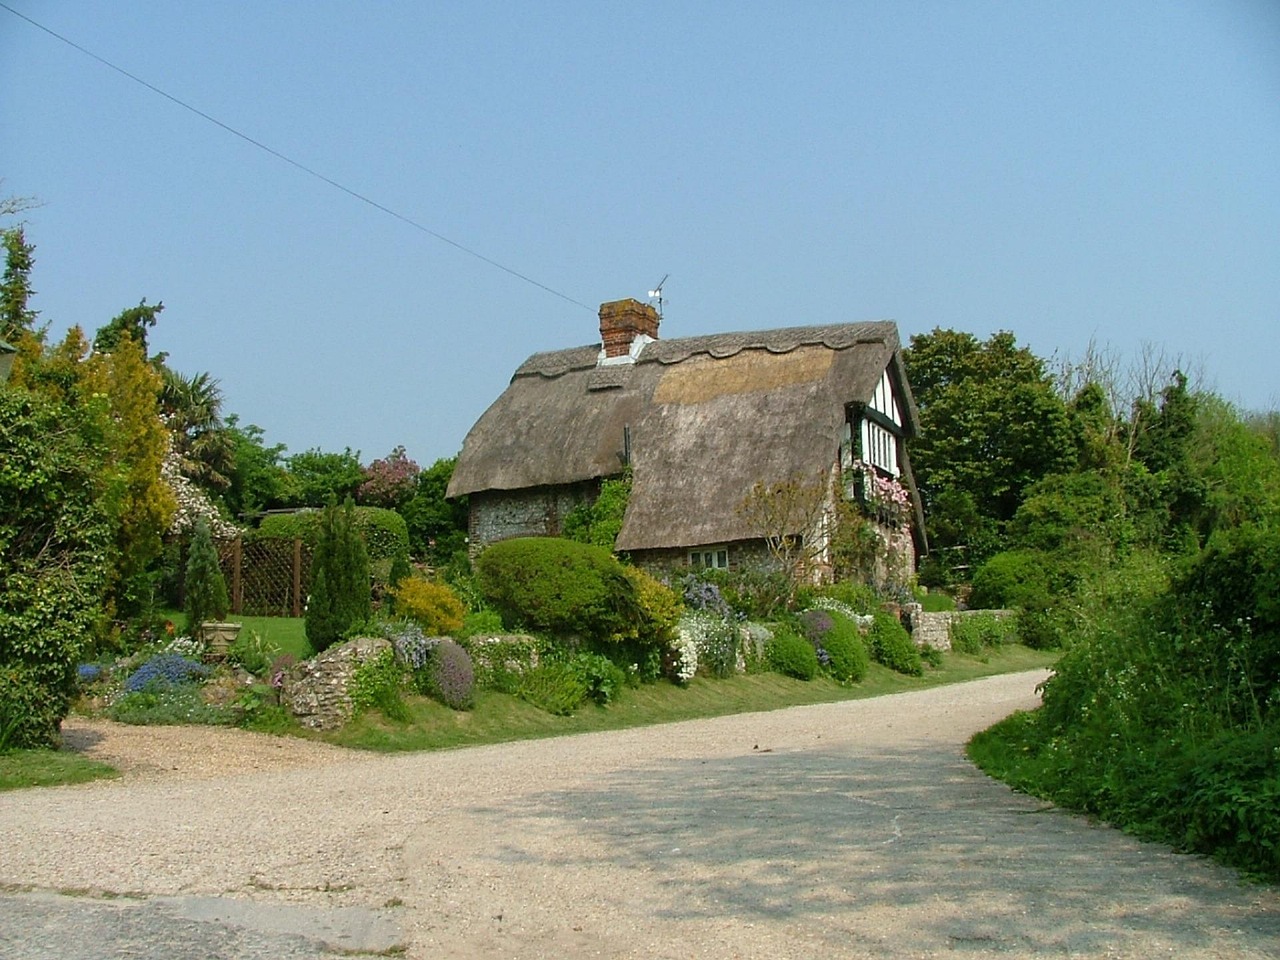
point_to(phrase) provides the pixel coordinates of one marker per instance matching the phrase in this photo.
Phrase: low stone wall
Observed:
(315, 690)
(934, 629)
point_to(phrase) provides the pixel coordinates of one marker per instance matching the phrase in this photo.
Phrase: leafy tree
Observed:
(54, 538)
(390, 482)
(139, 501)
(258, 479)
(131, 324)
(340, 579)
(437, 526)
(16, 318)
(991, 425)
(314, 477)
(206, 593)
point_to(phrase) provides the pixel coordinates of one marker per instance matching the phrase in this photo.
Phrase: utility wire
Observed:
(294, 163)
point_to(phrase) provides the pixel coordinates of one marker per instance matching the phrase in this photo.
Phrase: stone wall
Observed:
(316, 690)
(502, 514)
(934, 629)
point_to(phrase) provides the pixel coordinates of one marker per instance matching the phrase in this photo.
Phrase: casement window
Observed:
(881, 427)
(711, 558)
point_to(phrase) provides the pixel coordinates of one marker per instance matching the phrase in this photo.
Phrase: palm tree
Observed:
(192, 407)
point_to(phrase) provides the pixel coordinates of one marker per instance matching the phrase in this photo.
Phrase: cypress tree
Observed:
(340, 597)
(206, 587)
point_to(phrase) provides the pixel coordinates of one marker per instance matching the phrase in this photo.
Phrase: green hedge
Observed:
(385, 533)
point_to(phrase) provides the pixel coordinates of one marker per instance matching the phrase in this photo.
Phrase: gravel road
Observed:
(840, 830)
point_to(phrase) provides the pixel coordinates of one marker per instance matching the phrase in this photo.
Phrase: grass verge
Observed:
(45, 768)
(285, 634)
(500, 717)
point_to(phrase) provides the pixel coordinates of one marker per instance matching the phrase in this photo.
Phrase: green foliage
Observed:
(991, 425)
(791, 655)
(501, 661)
(206, 597)
(975, 634)
(753, 592)
(314, 478)
(564, 588)
(561, 686)
(252, 653)
(131, 324)
(383, 531)
(54, 547)
(848, 651)
(257, 477)
(162, 705)
(433, 606)
(600, 521)
(1015, 578)
(482, 623)
(890, 644)
(934, 602)
(650, 634)
(858, 597)
(378, 684)
(15, 287)
(340, 579)
(437, 528)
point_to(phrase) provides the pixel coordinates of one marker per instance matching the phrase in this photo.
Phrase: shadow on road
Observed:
(882, 844)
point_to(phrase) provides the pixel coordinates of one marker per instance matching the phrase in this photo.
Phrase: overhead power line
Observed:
(292, 162)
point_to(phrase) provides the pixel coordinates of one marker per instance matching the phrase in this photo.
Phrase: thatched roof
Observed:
(707, 417)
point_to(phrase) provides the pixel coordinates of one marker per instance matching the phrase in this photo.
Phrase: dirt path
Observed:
(839, 830)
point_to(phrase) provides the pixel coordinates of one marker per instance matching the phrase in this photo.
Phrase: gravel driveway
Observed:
(840, 830)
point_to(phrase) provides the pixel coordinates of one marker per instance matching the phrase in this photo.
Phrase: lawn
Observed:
(285, 634)
(43, 768)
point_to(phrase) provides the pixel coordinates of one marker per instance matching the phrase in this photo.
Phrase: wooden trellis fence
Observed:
(266, 578)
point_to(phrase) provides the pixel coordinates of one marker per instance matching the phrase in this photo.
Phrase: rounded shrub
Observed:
(452, 677)
(384, 532)
(433, 606)
(848, 652)
(892, 646)
(565, 588)
(792, 655)
(1015, 578)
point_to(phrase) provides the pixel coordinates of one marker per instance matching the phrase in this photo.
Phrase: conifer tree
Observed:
(340, 579)
(206, 587)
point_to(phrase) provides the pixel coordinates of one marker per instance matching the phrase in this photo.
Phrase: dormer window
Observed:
(880, 429)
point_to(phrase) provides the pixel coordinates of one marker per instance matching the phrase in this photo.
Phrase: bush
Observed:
(715, 641)
(655, 628)
(1015, 578)
(54, 548)
(892, 646)
(501, 662)
(554, 686)
(568, 589)
(452, 678)
(792, 655)
(753, 593)
(433, 606)
(975, 633)
(252, 653)
(858, 597)
(340, 582)
(206, 588)
(377, 684)
(837, 636)
(480, 623)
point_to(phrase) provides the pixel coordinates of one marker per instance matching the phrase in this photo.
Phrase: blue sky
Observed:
(1071, 172)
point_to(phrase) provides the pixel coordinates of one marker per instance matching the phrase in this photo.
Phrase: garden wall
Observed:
(934, 629)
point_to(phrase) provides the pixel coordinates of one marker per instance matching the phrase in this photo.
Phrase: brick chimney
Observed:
(622, 321)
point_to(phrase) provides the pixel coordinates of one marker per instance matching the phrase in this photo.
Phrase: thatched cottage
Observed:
(700, 420)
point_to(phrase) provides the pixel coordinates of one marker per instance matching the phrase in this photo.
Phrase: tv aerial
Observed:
(656, 293)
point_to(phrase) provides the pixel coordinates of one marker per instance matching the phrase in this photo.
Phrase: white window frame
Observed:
(709, 558)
